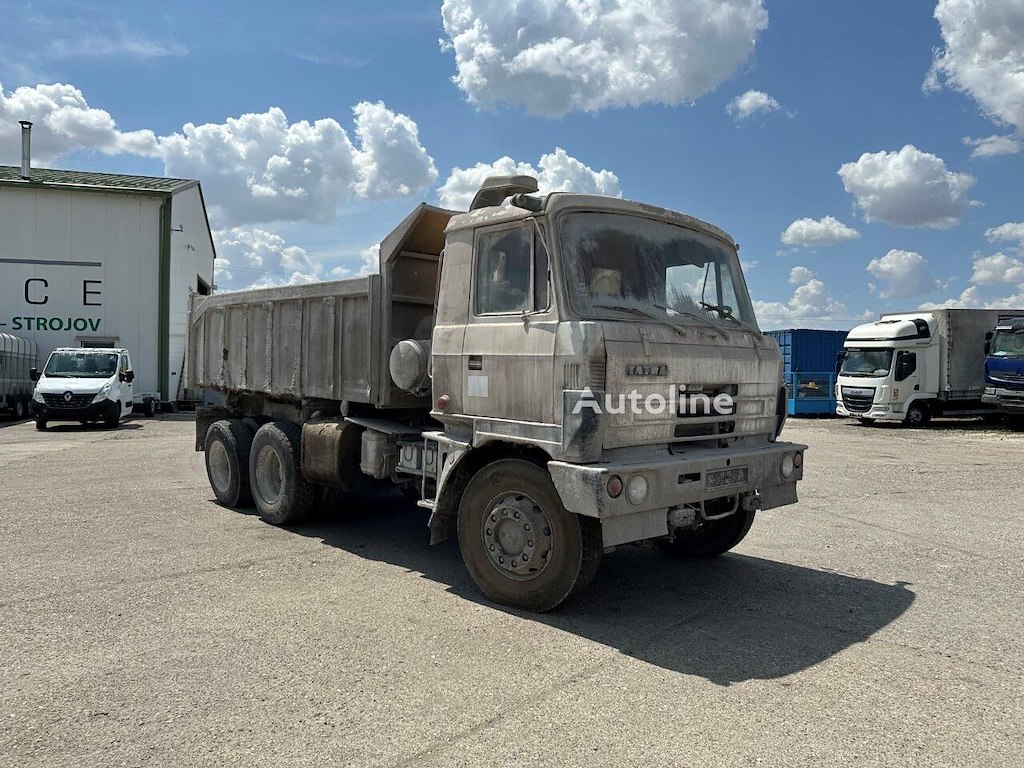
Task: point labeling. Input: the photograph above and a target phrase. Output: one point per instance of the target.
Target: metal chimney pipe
(26, 149)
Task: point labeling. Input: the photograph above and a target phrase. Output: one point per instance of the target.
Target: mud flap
(778, 495)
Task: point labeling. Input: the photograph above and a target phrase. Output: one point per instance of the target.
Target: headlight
(636, 490)
(788, 465)
(102, 394)
(38, 396)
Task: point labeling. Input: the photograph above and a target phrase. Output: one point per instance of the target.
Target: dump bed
(326, 341)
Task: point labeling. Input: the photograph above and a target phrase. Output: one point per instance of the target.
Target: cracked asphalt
(877, 622)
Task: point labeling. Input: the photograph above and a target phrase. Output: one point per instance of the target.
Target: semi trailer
(549, 376)
(1004, 368)
(911, 366)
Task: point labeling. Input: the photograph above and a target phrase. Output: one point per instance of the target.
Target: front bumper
(95, 411)
(877, 411)
(686, 478)
(1007, 399)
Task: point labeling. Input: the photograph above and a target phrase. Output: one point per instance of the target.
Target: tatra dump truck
(1004, 367)
(550, 378)
(911, 366)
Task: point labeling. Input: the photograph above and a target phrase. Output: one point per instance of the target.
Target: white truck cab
(85, 385)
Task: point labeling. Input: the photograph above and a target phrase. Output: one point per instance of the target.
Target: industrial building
(99, 259)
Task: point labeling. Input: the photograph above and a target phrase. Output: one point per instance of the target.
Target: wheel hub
(269, 474)
(220, 467)
(517, 536)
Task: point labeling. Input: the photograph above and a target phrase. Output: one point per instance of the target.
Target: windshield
(628, 264)
(867, 362)
(85, 365)
(1008, 344)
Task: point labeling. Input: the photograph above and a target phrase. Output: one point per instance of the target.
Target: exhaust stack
(26, 149)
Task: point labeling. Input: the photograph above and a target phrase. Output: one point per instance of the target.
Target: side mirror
(34, 374)
(129, 377)
(988, 342)
(840, 357)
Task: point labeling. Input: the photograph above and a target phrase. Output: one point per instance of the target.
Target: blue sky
(832, 82)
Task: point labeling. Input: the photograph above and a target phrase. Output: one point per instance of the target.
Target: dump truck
(911, 366)
(550, 376)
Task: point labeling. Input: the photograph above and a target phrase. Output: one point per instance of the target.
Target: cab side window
(507, 278)
(906, 365)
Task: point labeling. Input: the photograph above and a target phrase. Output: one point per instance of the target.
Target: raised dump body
(326, 341)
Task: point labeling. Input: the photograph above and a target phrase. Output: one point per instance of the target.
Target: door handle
(476, 362)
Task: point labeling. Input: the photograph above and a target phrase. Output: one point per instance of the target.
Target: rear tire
(19, 409)
(521, 546)
(713, 538)
(149, 407)
(282, 495)
(227, 448)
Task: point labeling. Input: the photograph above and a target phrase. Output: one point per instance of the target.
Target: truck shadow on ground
(732, 619)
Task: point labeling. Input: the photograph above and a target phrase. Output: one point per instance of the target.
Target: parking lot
(878, 622)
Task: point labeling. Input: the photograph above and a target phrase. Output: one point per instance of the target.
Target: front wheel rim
(269, 474)
(517, 536)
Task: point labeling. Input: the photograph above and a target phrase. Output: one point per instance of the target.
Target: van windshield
(867, 362)
(84, 365)
(619, 263)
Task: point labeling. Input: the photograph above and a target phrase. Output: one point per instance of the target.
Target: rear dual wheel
(281, 493)
(228, 443)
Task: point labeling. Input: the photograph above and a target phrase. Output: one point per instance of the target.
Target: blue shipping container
(809, 363)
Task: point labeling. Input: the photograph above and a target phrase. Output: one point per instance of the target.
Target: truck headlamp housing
(38, 396)
(102, 394)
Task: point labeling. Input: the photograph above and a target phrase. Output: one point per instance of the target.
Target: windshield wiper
(648, 315)
(723, 311)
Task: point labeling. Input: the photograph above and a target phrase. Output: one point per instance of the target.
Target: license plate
(723, 477)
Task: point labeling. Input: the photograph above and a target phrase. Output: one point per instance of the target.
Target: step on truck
(549, 376)
(912, 366)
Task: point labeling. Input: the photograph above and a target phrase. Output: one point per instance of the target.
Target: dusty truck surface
(549, 378)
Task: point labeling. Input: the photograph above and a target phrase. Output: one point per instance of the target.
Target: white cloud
(810, 233)
(261, 168)
(800, 275)
(256, 258)
(991, 146)
(905, 274)
(751, 103)
(63, 122)
(810, 304)
(983, 55)
(557, 56)
(370, 260)
(908, 188)
(997, 268)
(971, 298)
(1011, 230)
(556, 172)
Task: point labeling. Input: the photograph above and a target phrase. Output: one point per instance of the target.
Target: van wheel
(282, 495)
(713, 538)
(149, 407)
(112, 415)
(40, 424)
(227, 447)
(918, 415)
(521, 546)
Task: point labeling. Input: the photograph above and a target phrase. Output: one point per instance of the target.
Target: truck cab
(888, 370)
(1004, 367)
(84, 385)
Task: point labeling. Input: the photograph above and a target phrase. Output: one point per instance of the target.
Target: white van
(85, 385)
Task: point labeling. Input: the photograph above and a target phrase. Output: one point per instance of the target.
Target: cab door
(125, 377)
(908, 374)
(508, 350)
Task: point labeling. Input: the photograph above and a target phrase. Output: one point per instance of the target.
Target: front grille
(1006, 376)
(858, 400)
(75, 401)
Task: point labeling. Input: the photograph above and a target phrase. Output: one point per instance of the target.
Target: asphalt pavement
(877, 622)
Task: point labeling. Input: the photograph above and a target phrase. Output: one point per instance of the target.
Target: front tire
(918, 415)
(112, 416)
(41, 424)
(281, 493)
(713, 538)
(227, 447)
(521, 546)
